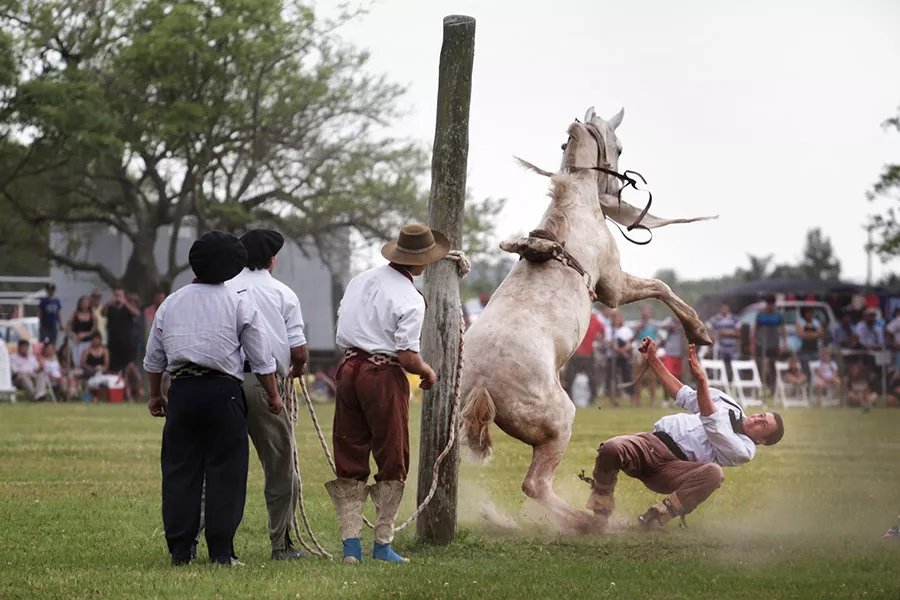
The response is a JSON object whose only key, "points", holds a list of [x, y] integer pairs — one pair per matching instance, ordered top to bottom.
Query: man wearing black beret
{"points": [[202, 334], [273, 434]]}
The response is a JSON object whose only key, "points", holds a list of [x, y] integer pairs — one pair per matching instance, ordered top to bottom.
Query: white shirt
{"points": [[280, 310], [381, 313], [208, 325], [894, 328], [623, 335], [27, 365], [53, 369], [827, 370], [711, 438]]}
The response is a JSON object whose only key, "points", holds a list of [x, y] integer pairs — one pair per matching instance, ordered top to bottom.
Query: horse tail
{"points": [[477, 415]]}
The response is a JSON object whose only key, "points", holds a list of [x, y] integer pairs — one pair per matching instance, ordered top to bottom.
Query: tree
{"points": [[140, 115], [886, 226], [818, 260], [759, 268], [667, 276]]}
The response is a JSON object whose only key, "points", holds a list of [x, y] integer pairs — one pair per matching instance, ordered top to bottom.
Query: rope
{"points": [[463, 266], [293, 411]]}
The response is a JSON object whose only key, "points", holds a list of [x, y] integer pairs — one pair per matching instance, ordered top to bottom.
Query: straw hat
{"points": [[417, 245]]}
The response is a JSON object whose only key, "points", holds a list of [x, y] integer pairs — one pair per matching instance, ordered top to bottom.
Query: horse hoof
{"points": [[700, 337]]}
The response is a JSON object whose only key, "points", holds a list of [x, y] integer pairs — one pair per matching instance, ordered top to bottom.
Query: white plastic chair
{"points": [[717, 374], [7, 389], [748, 391], [786, 394], [829, 398]]}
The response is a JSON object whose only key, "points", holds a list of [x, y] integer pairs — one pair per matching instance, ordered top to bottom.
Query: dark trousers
{"points": [[48, 335], [581, 364], [371, 415], [205, 436]]}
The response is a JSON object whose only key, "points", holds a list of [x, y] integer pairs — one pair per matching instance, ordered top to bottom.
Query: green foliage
{"points": [[200, 113], [886, 226]]}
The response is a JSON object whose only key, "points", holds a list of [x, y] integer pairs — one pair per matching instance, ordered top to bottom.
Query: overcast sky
{"points": [[767, 113]]}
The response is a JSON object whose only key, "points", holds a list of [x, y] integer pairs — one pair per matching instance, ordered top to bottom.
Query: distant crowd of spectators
{"points": [[98, 338]]}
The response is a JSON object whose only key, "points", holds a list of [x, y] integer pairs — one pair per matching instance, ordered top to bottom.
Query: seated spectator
{"points": [[96, 358], [53, 370], [26, 372], [794, 374], [827, 375], [322, 387], [859, 389]]}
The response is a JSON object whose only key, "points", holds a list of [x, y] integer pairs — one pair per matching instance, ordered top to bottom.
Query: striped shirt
{"points": [[280, 310], [720, 323], [208, 325], [708, 438]]}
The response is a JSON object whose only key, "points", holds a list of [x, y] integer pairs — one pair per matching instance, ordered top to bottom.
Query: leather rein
{"points": [[628, 177]]}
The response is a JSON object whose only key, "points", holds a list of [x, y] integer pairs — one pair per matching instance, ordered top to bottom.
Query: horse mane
{"points": [[556, 219]]}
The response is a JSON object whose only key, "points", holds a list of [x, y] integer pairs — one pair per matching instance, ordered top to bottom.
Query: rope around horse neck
{"points": [[463, 265]]}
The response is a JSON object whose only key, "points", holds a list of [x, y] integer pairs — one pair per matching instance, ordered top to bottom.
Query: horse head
{"points": [[594, 144]]}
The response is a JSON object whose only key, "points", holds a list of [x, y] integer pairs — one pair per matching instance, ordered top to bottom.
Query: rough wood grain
{"points": [[440, 339]]}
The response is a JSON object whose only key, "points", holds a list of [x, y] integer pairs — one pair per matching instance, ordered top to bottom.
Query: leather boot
{"points": [[386, 495], [349, 497], [601, 505], [662, 512]]}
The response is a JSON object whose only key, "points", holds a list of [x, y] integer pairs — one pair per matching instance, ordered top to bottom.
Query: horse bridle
{"points": [[628, 177]]}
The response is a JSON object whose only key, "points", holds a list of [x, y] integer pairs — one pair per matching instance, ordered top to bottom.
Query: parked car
{"points": [[790, 310], [13, 330]]}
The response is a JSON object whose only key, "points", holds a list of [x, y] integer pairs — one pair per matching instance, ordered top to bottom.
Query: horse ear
{"points": [[589, 115], [617, 120]]}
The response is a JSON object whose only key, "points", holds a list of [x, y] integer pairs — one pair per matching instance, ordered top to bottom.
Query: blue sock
{"points": [[353, 547], [386, 553]]}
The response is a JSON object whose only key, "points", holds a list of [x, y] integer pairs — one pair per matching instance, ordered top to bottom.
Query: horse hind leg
{"points": [[635, 288], [538, 486]]}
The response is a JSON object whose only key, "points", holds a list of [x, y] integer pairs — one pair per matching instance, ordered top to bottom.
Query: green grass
{"points": [[80, 517]]}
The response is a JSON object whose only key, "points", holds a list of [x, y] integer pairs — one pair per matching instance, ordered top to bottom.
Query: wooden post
{"points": [[440, 339]]}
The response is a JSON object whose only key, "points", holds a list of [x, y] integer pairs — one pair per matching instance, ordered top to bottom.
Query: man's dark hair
{"points": [[259, 264], [770, 299], [23, 343], [775, 437]]}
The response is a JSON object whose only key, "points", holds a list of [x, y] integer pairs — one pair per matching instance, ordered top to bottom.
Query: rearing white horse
{"points": [[540, 313]]}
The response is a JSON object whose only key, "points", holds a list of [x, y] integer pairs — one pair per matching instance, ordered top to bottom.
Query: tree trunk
{"points": [[141, 275], [440, 342]]}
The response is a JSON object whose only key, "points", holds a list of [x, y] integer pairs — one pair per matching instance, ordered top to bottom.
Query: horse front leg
{"points": [[632, 288]]}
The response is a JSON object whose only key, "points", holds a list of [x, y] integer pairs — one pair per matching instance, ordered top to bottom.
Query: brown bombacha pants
{"points": [[371, 415], [645, 457]]}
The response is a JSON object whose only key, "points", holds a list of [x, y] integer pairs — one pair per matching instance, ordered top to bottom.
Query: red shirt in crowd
{"points": [[595, 328]]}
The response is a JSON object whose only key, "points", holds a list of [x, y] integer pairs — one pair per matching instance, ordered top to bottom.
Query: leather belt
{"points": [[375, 359], [195, 370], [674, 448]]}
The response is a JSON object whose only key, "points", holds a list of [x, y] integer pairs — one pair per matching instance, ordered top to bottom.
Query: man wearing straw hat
{"points": [[379, 325], [201, 334], [273, 434]]}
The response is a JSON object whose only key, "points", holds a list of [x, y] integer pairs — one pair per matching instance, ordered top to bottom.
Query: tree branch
{"points": [[77, 265]]}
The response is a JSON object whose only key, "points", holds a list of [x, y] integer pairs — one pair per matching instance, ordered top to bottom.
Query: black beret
{"points": [[262, 244], [217, 257]]}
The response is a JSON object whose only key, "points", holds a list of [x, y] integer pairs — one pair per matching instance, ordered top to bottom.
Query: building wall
{"points": [[306, 273]]}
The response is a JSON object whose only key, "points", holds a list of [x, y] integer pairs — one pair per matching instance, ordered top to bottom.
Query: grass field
{"points": [[80, 517]]}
